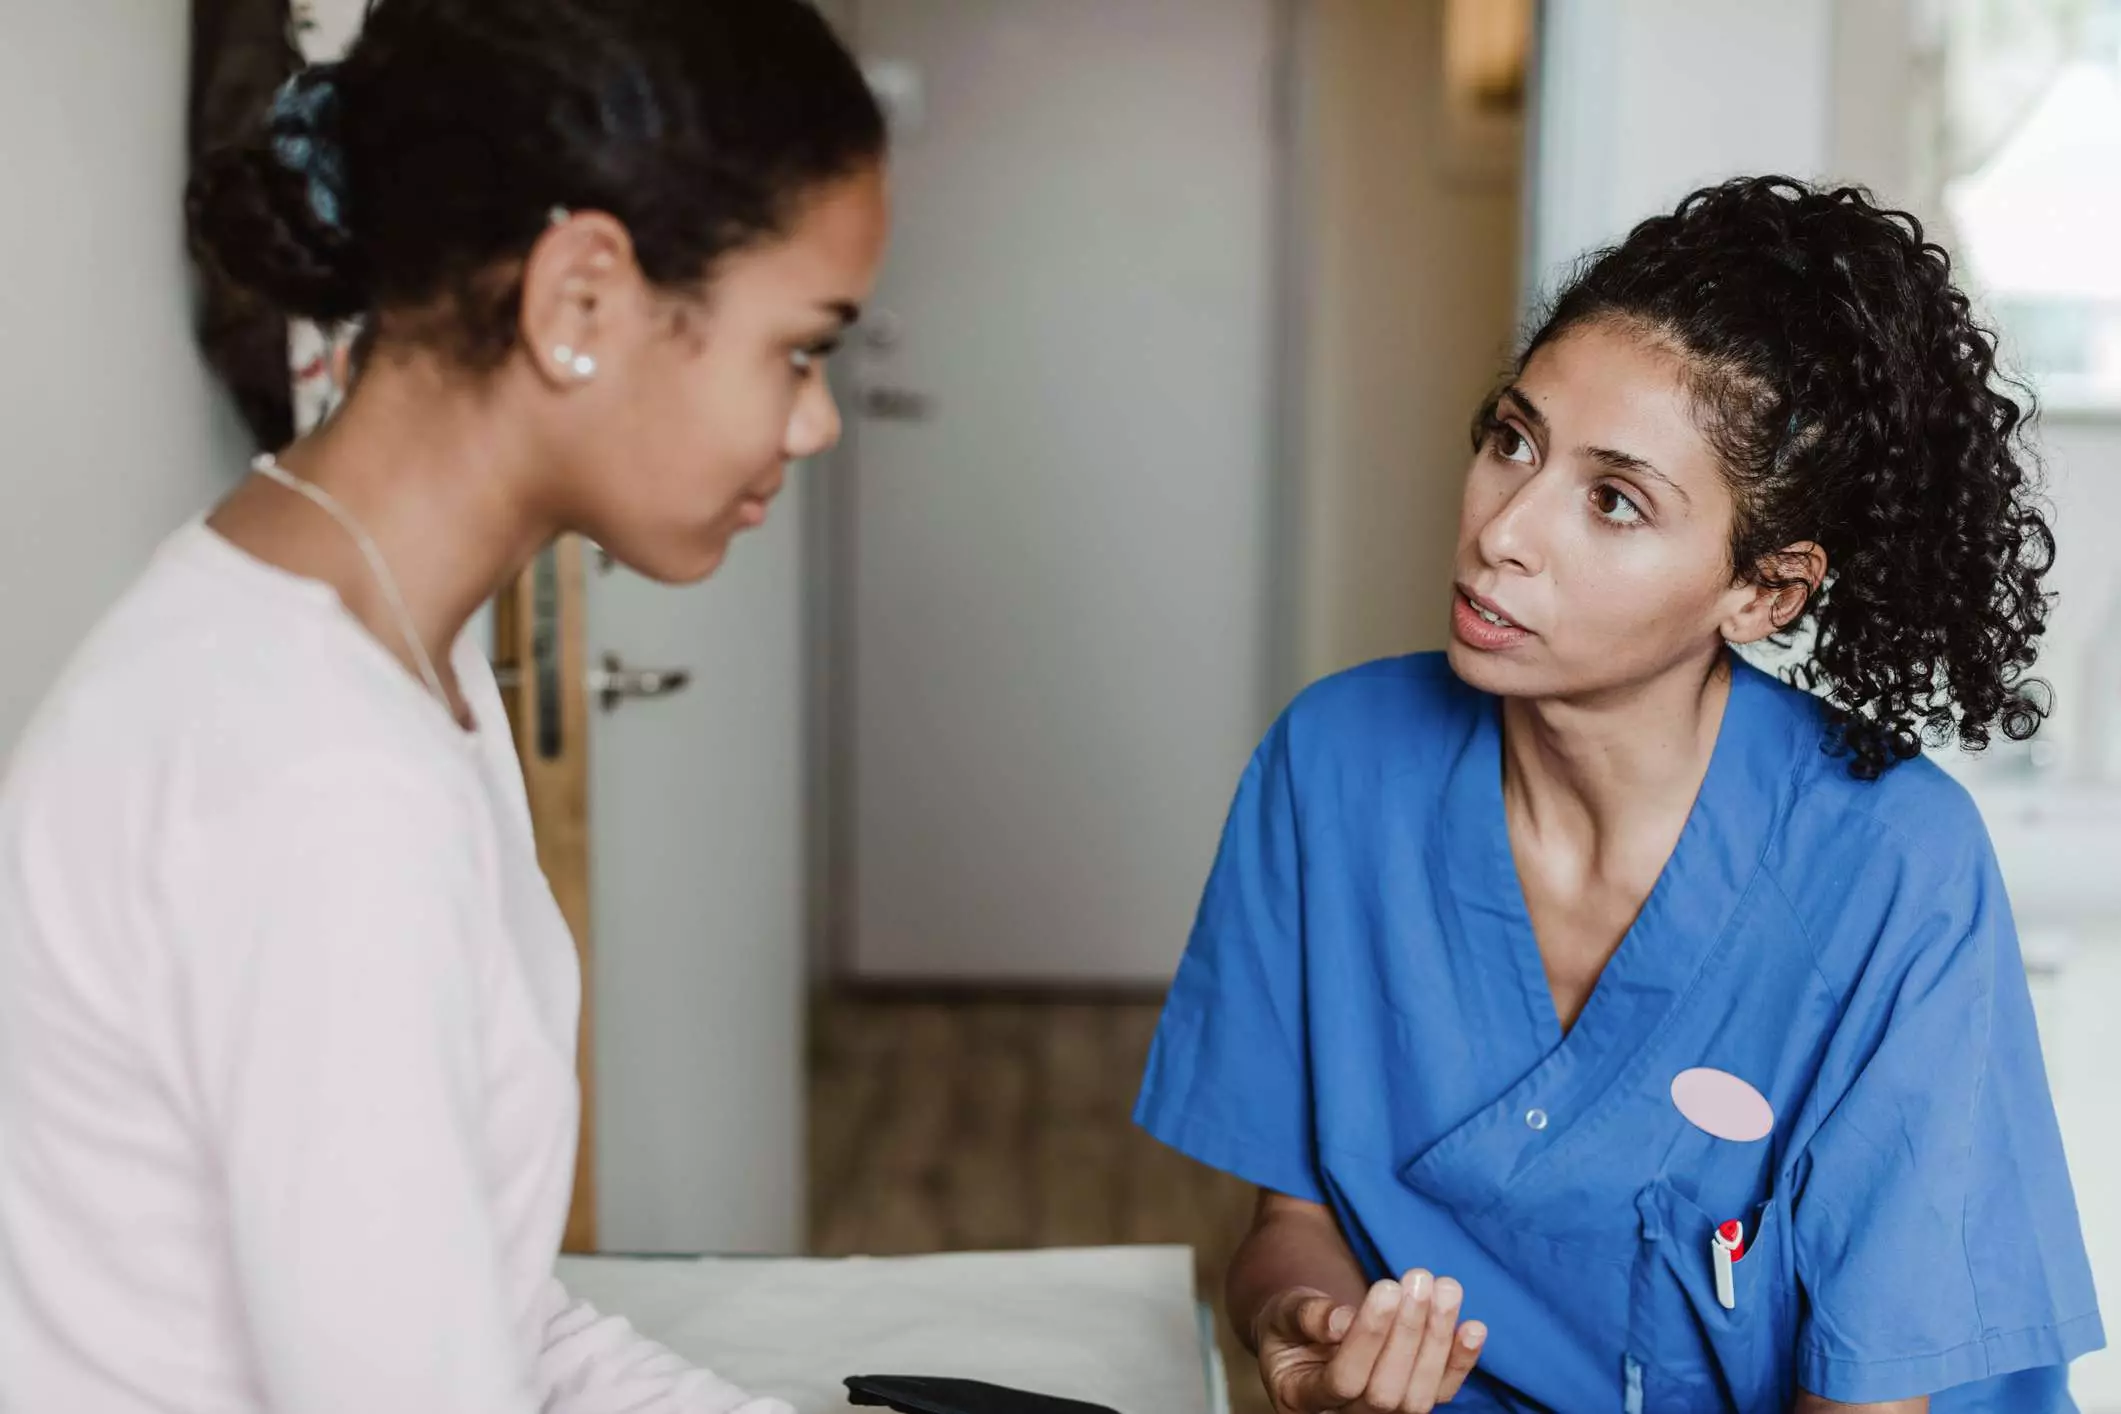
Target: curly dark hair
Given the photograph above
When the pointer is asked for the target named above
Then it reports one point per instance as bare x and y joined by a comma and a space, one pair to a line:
1855, 402
407, 181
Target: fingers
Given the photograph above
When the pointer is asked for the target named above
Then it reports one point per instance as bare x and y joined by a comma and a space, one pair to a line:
1401, 1352
1298, 1334
1465, 1350
1389, 1379
1347, 1375
1420, 1361
1439, 1330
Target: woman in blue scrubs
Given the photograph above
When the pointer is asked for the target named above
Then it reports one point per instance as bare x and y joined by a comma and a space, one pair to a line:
1661, 1025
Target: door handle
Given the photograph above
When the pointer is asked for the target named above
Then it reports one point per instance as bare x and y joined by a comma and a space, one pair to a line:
612, 681
896, 405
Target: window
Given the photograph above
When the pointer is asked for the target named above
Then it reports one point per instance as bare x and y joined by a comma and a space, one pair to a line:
2023, 144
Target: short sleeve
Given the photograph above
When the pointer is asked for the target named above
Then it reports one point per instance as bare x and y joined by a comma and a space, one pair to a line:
1228, 1078
1937, 1241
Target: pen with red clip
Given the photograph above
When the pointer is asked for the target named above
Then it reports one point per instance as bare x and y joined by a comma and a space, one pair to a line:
1726, 1248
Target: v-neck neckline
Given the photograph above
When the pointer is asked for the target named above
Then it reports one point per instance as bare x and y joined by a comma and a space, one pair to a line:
1550, 1081
1647, 948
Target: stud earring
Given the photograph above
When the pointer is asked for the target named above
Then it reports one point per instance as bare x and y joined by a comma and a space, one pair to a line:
581, 365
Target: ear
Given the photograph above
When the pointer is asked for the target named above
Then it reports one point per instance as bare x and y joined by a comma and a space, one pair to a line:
1793, 574
572, 281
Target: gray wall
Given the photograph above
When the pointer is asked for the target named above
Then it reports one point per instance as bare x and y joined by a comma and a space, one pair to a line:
111, 432
1408, 272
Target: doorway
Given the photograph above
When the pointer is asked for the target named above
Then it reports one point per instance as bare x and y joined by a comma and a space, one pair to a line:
1054, 548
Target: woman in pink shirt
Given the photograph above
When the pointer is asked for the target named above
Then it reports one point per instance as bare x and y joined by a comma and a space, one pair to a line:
287, 1013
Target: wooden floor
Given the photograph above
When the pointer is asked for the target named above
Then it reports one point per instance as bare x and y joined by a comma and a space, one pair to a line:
970, 1124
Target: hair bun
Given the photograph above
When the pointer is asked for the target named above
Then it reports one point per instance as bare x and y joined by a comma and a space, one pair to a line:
410, 179
271, 210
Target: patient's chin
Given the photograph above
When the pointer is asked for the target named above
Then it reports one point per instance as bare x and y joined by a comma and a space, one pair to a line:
700, 564
677, 559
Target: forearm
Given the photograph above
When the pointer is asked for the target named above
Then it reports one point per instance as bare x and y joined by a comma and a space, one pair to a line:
1813, 1404
1292, 1245
597, 1364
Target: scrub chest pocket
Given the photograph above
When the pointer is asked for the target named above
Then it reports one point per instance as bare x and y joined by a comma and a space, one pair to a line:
1685, 1352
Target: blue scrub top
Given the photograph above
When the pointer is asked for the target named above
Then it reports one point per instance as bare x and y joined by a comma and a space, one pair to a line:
1362, 1020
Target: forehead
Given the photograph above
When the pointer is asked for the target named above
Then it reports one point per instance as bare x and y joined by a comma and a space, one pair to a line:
831, 249
1604, 385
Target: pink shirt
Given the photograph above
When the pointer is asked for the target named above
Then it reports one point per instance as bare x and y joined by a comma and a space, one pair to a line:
287, 1032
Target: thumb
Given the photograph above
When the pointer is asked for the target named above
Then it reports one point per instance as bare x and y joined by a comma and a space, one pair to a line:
1323, 1321
1307, 1317
1320, 1385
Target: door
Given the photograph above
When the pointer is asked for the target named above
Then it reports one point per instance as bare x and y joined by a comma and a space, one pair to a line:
660, 735
695, 801
1056, 528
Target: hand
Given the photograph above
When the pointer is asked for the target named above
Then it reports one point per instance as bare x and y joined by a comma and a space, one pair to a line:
1402, 1353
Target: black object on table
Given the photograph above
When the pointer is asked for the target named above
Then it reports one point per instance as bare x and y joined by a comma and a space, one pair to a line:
919, 1394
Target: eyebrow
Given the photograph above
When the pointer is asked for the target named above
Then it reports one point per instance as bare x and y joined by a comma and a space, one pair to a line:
1630, 465
1515, 395
1626, 463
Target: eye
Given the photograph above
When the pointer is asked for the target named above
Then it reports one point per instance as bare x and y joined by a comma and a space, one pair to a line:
806, 360
1509, 443
1614, 507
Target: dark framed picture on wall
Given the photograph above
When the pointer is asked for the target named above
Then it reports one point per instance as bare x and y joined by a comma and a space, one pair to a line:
242, 51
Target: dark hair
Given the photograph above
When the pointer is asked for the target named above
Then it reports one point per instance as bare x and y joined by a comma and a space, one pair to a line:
1854, 401
412, 175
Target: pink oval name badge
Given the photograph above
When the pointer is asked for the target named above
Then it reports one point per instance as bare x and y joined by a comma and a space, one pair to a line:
1719, 1103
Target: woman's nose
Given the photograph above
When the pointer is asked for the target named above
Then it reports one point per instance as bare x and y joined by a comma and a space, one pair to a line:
814, 426
1510, 536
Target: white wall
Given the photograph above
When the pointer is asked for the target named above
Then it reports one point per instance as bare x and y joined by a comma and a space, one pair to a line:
1872, 100
111, 431
1641, 101
1409, 279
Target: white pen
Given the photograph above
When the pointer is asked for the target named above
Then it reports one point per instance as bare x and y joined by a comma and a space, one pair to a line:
1725, 1248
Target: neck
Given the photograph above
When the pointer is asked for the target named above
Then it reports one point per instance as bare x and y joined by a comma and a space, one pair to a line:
425, 465
1598, 770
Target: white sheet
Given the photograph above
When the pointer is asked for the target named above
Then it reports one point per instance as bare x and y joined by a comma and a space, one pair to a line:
1116, 1326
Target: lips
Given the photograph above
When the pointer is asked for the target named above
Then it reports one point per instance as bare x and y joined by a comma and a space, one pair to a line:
1488, 610
751, 507
1481, 623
